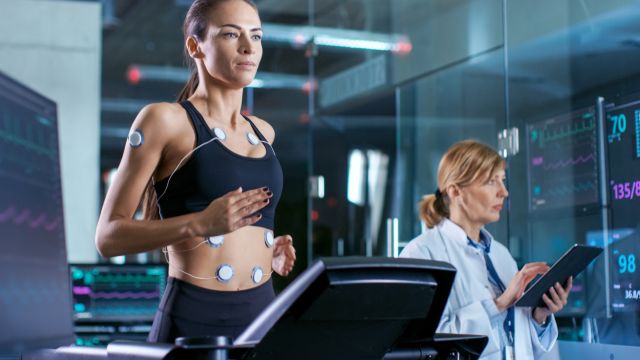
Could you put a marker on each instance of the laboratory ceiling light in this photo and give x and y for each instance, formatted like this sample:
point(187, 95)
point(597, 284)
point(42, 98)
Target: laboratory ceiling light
point(338, 38)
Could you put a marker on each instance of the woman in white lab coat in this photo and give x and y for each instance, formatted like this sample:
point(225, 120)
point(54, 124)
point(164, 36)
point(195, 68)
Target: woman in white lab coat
point(470, 194)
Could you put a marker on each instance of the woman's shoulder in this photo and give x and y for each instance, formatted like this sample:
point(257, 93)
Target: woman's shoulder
point(498, 247)
point(162, 111)
point(160, 124)
point(422, 246)
point(265, 128)
point(160, 118)
point(500, 251)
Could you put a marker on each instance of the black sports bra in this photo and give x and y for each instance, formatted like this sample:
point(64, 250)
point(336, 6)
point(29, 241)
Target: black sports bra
point(214, 170)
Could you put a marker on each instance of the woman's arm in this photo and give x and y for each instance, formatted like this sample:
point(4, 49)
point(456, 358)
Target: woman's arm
point(118, 233)
point(542, 323)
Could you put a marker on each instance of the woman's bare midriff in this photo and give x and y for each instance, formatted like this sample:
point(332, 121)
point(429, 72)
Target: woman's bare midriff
point(242, 249)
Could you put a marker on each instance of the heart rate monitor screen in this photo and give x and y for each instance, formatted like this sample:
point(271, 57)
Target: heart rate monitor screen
point(624, 263)
point(623, 148)
point(121, 293)
point(34, 280)
point(562, 161)
point(622, 123)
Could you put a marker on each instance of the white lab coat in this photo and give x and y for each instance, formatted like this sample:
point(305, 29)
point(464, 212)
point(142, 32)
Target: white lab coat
point(471, 308)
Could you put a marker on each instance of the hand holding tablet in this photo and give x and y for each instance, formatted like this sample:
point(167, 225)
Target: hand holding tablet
point(571, 263)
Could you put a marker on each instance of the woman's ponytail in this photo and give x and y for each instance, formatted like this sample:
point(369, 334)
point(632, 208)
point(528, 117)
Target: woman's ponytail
point(433, 209)
point(190, 87)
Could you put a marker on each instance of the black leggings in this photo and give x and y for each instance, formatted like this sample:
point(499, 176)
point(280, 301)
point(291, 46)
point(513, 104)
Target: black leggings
point(190, 310)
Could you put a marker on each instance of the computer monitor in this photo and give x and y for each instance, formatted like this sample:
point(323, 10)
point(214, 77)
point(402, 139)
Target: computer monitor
point(116, 293)
point(34, 279)
point(563, 161)
point(356, 307)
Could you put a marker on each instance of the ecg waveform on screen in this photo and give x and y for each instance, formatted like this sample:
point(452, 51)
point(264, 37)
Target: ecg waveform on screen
point(550, 134)
point(28, 148)
point(117, 293)
point(126, 295)
point(24, 217)
point(34, 280)
point(122, 312)
point(83, 290)
point(563, 161)
point(125, 278)
point(27, 143)
point(35, 136)
point(569, 162)
point(571, 189)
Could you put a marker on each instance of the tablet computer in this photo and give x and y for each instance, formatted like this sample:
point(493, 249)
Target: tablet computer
point(571, 263)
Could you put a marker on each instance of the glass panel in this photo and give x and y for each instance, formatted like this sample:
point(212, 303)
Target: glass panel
point(576, 180)
point(354, 154)
point(352, 127)
point(460, 95)
point(445, 33)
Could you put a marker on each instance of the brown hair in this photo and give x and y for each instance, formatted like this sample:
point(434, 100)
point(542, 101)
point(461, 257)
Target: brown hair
point(195, 24)
point(463, 164)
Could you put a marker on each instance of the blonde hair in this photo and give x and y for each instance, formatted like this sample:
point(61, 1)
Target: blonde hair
point(463, 164)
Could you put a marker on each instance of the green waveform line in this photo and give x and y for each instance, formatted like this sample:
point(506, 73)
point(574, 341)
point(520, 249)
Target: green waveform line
point(126, 278)
point(22, 142)
point(18, 131)
point(548, 136)
point(129, 310)
point(567, 189)
point(160, 272)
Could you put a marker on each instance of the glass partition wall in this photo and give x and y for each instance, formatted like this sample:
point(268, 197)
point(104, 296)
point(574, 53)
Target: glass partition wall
point(572, 93)
point(353, 126)
point(551, 84)
point(409, 79)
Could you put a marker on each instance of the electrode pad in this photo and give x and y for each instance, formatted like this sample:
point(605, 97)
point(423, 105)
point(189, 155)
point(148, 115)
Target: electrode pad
point(136, 138)
point(253, 139)
point(220, 134)
point(268, 238)
point(215, 241)
point(224, 273)
point(257, 274)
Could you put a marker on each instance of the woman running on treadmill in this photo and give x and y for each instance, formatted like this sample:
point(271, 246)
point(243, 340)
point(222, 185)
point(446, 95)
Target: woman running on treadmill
point(211, 182)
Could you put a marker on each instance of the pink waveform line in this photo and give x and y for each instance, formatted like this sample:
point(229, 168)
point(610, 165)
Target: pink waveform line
point(7, 214)
point(126, 295)
point(565, 163)
point(537, 160)
point(37, 222)
point(52, 225)
point(577, 288)
point(81, 290)
point(24, 215)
